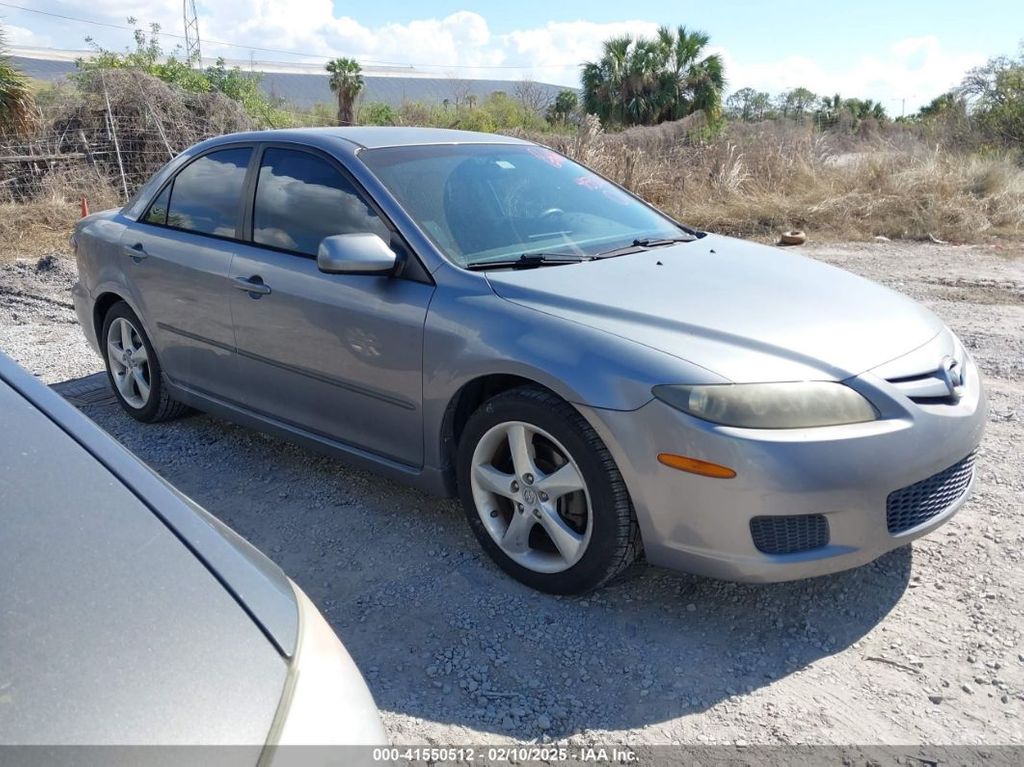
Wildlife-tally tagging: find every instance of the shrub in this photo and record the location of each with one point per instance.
(377, 113)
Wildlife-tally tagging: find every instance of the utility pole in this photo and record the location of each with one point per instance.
(192, 53)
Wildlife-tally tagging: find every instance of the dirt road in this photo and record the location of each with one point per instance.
(924, 645)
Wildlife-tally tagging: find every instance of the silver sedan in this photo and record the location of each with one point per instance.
(130, 616)
(480, 316)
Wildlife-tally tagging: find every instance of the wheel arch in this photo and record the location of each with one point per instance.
(100, 308)
(465, 401)
(105, 299)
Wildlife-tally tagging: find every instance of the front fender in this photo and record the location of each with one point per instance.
(470, 334)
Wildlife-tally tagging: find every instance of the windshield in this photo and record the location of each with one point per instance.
(495, 202)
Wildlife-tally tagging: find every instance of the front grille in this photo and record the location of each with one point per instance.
(790, 534)
(917, 503)
(932, 387)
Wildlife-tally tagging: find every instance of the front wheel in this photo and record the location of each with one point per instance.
(543, 494)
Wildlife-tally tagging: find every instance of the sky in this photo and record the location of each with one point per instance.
(900, 52)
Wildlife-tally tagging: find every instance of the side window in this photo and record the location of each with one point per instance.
(157, 213)
(301, 199)
(206, 193)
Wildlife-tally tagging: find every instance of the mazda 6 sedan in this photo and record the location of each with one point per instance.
(131, 617)
(481, 316)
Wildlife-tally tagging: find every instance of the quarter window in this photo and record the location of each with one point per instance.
(206, 193)
(301, 199)
(157, 213)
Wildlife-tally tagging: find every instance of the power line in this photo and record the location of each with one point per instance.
(282, 51)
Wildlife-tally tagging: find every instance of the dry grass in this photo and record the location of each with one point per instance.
(42, 225)
(40, 200)
(757, 181)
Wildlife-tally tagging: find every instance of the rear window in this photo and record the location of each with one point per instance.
(205, 195)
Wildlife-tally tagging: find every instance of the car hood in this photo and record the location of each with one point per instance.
(746, 312)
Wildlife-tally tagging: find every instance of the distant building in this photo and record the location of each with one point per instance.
(304, 85)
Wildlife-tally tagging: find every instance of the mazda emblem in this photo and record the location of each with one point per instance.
(952, 375)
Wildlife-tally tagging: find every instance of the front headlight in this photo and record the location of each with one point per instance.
(770, 405)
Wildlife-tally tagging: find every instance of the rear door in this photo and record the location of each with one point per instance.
(337, 355)
(178, 256)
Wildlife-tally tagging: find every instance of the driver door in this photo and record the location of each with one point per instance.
(337, 355)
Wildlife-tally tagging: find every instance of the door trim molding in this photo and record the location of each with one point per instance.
(339, 382)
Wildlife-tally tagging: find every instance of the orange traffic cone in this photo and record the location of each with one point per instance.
(85, 206)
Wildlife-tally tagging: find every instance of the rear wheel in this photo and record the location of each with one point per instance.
(543, 494)
(133, 368)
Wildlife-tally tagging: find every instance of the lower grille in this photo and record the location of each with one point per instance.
(917, 503)
(789, 534)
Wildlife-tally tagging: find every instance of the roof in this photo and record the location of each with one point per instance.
(304, 86)
(376, 137)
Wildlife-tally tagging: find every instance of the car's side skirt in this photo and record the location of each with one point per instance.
(430, 479)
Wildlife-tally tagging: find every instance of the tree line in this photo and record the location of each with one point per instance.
(988, 104)
(752, 105)
(636, 80)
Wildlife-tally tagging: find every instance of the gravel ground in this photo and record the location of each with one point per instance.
(922, 646)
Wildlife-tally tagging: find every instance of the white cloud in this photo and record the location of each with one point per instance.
(463, 44)
(915, 69)
(25, 37)
(555, 51)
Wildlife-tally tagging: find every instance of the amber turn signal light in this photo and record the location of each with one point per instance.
(694, 466)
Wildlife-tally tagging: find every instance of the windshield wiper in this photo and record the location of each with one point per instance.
(528, 261)
(644, 243)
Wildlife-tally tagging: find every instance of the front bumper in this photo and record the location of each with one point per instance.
(702, 525)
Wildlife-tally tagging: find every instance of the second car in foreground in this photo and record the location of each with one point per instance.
(481, 316)
(131, 617)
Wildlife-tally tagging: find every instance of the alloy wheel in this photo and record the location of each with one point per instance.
(129, 362)
(531, 497)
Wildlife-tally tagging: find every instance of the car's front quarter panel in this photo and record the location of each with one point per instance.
(472, 333)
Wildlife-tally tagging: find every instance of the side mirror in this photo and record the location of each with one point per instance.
(358, 253)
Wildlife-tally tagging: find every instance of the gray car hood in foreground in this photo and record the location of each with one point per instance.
(111, 630)
(744, 311)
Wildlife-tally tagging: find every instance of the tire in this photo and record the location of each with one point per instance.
(588, 508)
(157, 405)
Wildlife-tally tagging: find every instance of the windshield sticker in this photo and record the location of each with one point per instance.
(606, 188)
(614, 194)
(588, 182)
(553, 159)
(504, 164)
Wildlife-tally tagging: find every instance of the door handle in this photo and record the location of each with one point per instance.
(136, 251)
(254, 286)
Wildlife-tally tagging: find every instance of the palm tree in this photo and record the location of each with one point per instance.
(692, 83)
(562, 109)
(346, 82)
(17, 107)
(645, 81)
(604, 81)
(862, 109)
